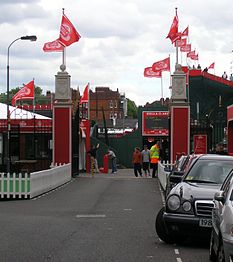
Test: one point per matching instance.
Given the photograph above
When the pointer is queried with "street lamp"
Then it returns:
(27, 37)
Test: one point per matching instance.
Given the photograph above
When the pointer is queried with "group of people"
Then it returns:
(94, 162)
(225, 76)
(146, 159)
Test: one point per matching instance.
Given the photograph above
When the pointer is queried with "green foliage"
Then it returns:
(132, 111)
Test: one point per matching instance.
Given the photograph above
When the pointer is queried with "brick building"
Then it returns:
(111, 102)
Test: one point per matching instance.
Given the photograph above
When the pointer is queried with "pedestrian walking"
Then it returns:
(94, 162)
(137, 161)
(154, 158)
(113, 159)
(146, 160)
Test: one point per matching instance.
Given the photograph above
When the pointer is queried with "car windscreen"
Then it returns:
(209, 171)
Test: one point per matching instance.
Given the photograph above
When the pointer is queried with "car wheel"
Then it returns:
(161, 228)
(221, 255)
(212, 254)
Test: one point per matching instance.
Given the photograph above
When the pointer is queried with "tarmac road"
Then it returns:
(102, 219)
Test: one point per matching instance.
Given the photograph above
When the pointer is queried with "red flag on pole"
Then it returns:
(85, 97)
(186, 48)
(148, 72)
(211, 66)
(194, 57)
(182, 42)
(26, 92)
(54, 46)
(68, 33)
(185, 32)
(173, 32)
(191, 53)
(162, 65)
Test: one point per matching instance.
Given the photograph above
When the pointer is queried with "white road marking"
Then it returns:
(176, 251)
(178, 259)
(128, 209)
(91, 216)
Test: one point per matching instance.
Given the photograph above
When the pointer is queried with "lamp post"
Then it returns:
(27, 37)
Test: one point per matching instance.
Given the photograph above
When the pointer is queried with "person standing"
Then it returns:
(94, 162)
(112, 156)
(137, 161)
(154, 158)
(224, 75)
(146, 160)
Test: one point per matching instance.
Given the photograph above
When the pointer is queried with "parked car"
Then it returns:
(188, 208)
(179, 169)
(221, 241)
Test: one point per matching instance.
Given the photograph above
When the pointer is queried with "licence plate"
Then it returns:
(204, 222)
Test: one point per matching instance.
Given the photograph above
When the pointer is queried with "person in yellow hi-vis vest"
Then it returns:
(154, 158)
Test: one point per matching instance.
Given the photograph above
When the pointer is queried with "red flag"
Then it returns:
(26, 92)
(68, 33)
(182, 42)
(211, 66)
(162, 65)
(185, 32)
(54, 46)
(194, 57)
(85, 97)
(191, 53)
(186, 48)
(173, 32)
(148, 72)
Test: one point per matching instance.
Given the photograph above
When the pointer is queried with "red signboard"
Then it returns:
(155, 123)
(200, 144)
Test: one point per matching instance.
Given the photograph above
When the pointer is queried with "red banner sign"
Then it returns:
(200, 144)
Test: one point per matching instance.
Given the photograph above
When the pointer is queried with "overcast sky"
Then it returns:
(119, 39)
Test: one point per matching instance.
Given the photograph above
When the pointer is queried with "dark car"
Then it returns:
(221, 241)
(179, 169)
(188, 209)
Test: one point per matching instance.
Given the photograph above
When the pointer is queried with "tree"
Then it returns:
(132, 110)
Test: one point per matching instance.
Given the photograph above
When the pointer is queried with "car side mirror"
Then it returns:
(176, 177)
(219, 196)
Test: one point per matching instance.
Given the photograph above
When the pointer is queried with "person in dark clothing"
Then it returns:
(137, 161)
(94, 163)
(219, 149)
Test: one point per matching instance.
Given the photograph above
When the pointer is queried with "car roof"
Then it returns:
(215, 157)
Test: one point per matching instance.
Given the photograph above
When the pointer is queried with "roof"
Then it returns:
(18, 113)
(216, 157)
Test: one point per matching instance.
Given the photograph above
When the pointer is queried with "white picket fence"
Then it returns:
(163, 172)
(34, 184)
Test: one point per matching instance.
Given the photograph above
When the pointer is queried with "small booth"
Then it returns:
(30, 140)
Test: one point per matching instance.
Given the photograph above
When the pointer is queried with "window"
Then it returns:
(115, 104)
(110, 104)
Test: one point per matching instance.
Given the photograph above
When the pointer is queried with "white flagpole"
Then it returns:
(34, 97)
(162, 88)
(176, 46)
(64, 49)
(88, 104)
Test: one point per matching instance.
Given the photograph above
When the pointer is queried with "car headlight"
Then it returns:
(173, 202)
(187, 206)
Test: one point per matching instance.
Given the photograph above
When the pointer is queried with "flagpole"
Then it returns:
(170, 73)
(176, 43)
(64, 49)
(34, 98)
(162, 88)
(88, 103)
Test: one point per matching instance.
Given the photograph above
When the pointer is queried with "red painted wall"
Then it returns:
(230, 130)
(62, 132)
(179, 131)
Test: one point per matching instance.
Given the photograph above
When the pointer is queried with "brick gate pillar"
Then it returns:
(180, 115)
(62, 119)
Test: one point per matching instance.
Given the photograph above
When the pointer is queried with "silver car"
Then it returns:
(221, 242)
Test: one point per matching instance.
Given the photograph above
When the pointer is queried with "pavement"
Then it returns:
(121, 173)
